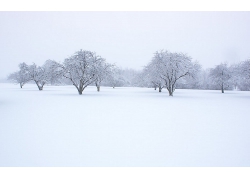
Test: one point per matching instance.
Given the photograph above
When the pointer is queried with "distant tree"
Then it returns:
(221, 76)
(173, 66)
(115, 77)
(236, 75)
(244, 75)
(141, 79)
(245, 68)
(53, 71)
(103, 71)
(130, 77)
(21, 76)
(82, 69)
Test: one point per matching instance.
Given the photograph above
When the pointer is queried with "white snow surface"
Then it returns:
(124, 127)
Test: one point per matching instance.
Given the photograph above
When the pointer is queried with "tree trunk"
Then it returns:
(113, 87)
(80, 89)
(160, 89)
(21, 85)
(80, 92)
(170, 91)
(98, 88)
(222, 89)
(155, 87)
(40, 88)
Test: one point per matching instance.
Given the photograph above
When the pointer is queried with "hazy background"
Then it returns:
(128, 39)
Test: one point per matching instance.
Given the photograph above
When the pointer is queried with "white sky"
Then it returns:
(128, 39)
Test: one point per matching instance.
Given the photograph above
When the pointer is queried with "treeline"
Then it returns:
(165, 70)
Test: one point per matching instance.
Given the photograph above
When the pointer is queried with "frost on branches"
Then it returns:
(103, 72)
(44, 74)
(153, 75)
(84, 68)
(221, 76)
(168, 68)
(22, 76)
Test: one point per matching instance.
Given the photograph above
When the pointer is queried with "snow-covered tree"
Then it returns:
(192, 82)
(221, 76)
(129, 75)
(173, 66)
(53, 72)
(103, 71)
(244, 75)
(245, 68)
(236, 75)
(38, 75)
(21, 76)
(82, 69)
(115, 77)
(142, 79)
(44, 74)
(204, 80)
(153, 75)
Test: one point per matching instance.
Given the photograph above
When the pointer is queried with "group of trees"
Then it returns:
(165, 70)
(222, 77)
(81, 69)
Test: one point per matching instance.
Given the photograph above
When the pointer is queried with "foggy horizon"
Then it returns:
(128, 39)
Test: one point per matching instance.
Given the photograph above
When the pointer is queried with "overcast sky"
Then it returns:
(128, 39)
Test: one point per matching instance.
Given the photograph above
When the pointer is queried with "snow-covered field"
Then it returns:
(123, 127)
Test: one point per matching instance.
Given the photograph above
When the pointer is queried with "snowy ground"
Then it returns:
(123, 127)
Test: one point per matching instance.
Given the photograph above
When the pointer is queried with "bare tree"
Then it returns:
(173, 66)
(21, 76)
(221, 76)
(82, 69)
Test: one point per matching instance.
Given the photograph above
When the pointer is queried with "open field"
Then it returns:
(123, 127)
